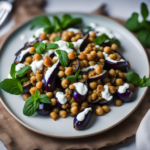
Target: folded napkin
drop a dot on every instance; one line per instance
(143, 133)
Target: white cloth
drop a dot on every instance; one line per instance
(143, 133)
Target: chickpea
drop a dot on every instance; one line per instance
(118, 102)
(43, 36)
(78, 36)
(119, 82)
(32, 90)
(112, 89)
(106, 80)
(89, 98)
(81, 64)
(94, 96)
(64, 106)
(49, 94)
(61, 74)
(102, 60)
(91, 39)
(93, 85)
(87, 50)
(73, 39)
(92, 34)
(33, 80)
(101, 48)
(32, 49)
(113, 56)
(84, 76)
(26, 63)
(85, 63)
(72, 55)
(38, 77)
(108, 83)
(65, 33)
(93, 53)
(107, 50)
(128, 65)
(91, 63)
(47, 61)
(99, 111)
(26, 96)
(53, 101)
(37, 57)
(65, 83)
(71, 101)
(68, 71)
(82, 56)
(70, 33)
(56, 109)
(67, 91)
(28, 59)
(125, 74)
(74, 110)
(74, 104)
(99, 69)
(39, 84)
(61, 68)
(72, 87)
(31, 74)
(53, 115)
(121, 75)
(68, 96)
(94, 48)
(62, 113)
(114, 47)
(65, 38)
(132, 87)
(100, 88)
(41, 91)
(39, 71)
(84, 104)
(106, 108)
(89, 57)
(100, 54)
(112, 72)
(118, 71)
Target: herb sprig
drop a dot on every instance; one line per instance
(63, 57)
(142, 29)
(74, 77)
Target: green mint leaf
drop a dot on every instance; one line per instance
(71, 78)
(99, 40)
(146, 24)
(51, 46)
(79, 77)
(12, 70)
(77, 53)
(144, 37)
(44, 99)
(72, 21)
(23, 71)
(133, 78)
(40, 47)
(144, 11)
(49, 29)
(86, 29)
(24, 79)
(33, 53)
(132, 23)
(37, 93)
(65, 18)
(70, 45)
(33, 36)
(77, 73)
(63, 78)
(36, 105)
(57, 24)
(114, 41)
(11, 86)
(63, 57)
(42, 21)
(99, 49)
(57, 38)
(147, 82)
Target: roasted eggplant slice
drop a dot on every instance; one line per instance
(84, 43)
(44, 109)
(74, 64)
(26, 87)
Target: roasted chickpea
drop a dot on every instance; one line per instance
(89, 98)
(84, 76)
(64, 106)
(68, 91)
(99, 69)
(39, 71)
(68, 71)
(65, 33)
(107, 50)
(78, 36)
(26, 96)
(28, 59)
(65, 38)
(91, 39)
(56, 110)
(73, 39)
(49, 94)
(106, 80)
(106, 108)
(62, 113)
(70, 33)
(32, 90)
(118, 103)
(41, 91)
(100, 88)
(113, 56)
(112, 89)
(43, 36)
(118, 71)
(100, 54)
(54, 61)
(53, 115)
(102, 60)
(47, 61)
(108, 83)
(33, 80)
(81, 64)
(94, 48)
(26, 63)
(74, 110)
(53, 101)
(71, 101)
(87, 50)
(72, 55)
(121, 75)
(61, 68)
(65, 83)
(91, 63)
(38, 77)
(74, 104)
(85, 63)
(94, 96)
(93, 85)
(32, 49)
(132, 87)
(92, 34)
(84, 104)
(112, 72)
(101, 48)
(82, 56)
(68, 96)
(93, 53)
(61, 74)
(37, 57)
(39, 84)
(89, 57)
(119, 82)
(72, 87)
(99, 111)
(114, 47)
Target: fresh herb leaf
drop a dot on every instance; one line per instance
(70, 45)
(12, 71)
(33, 53)
(24, 79)
(79, 77)
(40, 47)
(33, 36)
(23, 71)
(63, 57)
(57, 24)
(44, 99)
(49, 29)
(77, 53)
(65, 18)
(11, 86)
(144, 11)
(99, 49)
(77, 73)
(147, 82)
(57, 38)
(51, 46)
(74, 77)
(63, 78)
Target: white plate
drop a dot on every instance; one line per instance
(63, 128)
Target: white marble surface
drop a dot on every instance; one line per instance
(116, 8)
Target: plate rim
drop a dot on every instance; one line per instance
(77, 136)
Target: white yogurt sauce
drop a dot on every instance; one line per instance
(100, 30)
(50, 71)
(36, 65)
(19, 66)
(81, 115)
(73, 29)
(23, 52)
(61, 97)
(88, 68)
(44, 41)
(97, 46)
(111, 60)
(31, 39)
(106, 94)
(22, 37)
(81, 88)
(123, 88)
(47, 53)
(77, 44)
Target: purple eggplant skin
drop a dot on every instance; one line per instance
(79, 125)
(58, 103)
(73, 64)
(51, 83)
(118, 65)
(44, 109)
(126, 96)
(84, 43)
(106, 102)
(26, 89)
